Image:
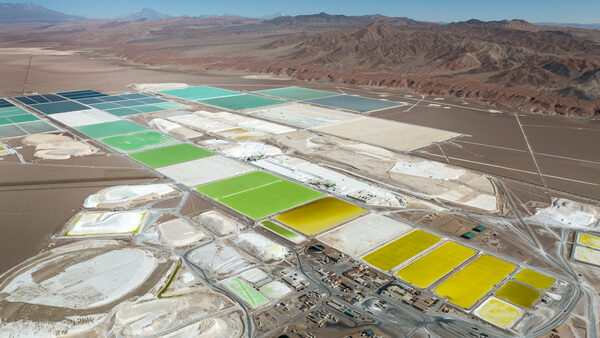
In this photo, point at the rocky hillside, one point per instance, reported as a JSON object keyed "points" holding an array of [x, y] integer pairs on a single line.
{"points": [[533, 68], [501, 55]]}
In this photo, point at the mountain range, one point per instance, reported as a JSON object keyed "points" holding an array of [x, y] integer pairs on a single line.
{"points": [[145, 14], [534, 68], [30, 12]]}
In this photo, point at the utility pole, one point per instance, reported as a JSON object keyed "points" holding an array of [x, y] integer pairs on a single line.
{"points": [[26, 75]]}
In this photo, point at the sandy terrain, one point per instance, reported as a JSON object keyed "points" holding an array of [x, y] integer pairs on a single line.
{"points": [[495, 145], [395, 136], [29, 187]]}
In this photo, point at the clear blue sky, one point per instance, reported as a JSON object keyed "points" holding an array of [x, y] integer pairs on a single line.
{"points": [[574, 11]]}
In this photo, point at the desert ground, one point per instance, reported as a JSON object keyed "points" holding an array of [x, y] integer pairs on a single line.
{"points": [[539, 166]]}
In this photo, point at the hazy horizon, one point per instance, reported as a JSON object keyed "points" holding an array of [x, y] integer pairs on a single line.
{"points": [[577, 12]]}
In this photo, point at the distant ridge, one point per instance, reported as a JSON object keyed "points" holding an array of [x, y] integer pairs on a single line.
{"points": [[324, 20], [30, 12], [145, 13], [571, 25], [513, 24]]}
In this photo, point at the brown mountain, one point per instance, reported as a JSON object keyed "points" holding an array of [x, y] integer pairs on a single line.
{"points": [[542, 69], [30, 12], [327, 21], [480, 58]]}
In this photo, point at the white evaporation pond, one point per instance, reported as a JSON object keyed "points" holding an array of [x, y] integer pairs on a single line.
{"points": [[84, 117], [122, 194], [106, 223], [364, 234], [95, 282], [205, 170]]}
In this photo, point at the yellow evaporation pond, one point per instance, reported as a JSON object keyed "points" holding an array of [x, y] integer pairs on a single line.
{"points": [[498, 312], [472, 282], [426, 270], [395, 253], [586, 254], [233, 131], [535, 279], [518, 294], [589, 240], [320, 215], [244, 137]]}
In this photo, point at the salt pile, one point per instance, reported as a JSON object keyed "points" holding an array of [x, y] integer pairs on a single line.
{"points": [[569, 214], [251, 151], [104, 223], [218, 258], [173, 128], [91, 283], [127, 195], [218, 223], [428, 169], [178, 232], [57, 147], [260, 247], [159, 316]]}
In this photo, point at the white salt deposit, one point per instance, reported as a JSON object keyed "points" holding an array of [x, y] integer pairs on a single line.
{"points": [[252, 150], [568, 214], [587, 255], [35, 51], [267, 77], [428, 169], [364, 234], [159, 316], [218, 223], [91, 283], [483, 201], [205, 170], [103, 223], [168, 127], [216, 142], [84, 117], [260, 247], [164, 125], [155, 87], [219, 258], [303, 115], [70, 326], [275, 290], [330, 180], [247, 122], [123, 195], [253, 275], [37, 139], [57, 147], [178, 232], [214, 327]]}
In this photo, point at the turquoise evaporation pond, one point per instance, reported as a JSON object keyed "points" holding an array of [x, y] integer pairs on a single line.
{"points": [[355, 103], [199, 93], [242, 102]]}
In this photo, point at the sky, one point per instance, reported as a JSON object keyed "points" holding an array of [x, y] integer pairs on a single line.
{"points": [[561, 11]]}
